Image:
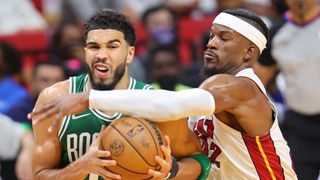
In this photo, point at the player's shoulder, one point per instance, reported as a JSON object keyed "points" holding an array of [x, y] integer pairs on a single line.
{"points": [[55, 90], [230, 84], [227, 79], [218, 80]]}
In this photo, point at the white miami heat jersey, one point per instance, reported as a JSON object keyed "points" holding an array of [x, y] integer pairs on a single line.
{"points": [[239, 156]]}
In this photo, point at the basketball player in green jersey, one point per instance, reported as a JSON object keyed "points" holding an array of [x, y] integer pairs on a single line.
{"points": [[71, 151]]}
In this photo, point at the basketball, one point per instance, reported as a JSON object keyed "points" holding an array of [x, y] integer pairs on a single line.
{"points": [[133, 143]]}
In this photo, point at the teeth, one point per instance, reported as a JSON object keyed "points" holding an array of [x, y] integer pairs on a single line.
{"points": [[102, 68]]}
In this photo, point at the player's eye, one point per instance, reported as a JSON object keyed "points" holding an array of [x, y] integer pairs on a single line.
{"points": [[93, 46], [113, 46], [223, 38]]}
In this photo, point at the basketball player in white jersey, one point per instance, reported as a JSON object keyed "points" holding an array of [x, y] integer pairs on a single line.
{"points": [[230, 112]]}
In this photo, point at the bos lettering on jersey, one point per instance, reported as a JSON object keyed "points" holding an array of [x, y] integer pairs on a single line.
{"points": [[204, 129], [78, 145]]}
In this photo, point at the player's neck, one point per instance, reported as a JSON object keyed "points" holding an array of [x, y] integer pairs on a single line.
{"points": [[124, 82]]}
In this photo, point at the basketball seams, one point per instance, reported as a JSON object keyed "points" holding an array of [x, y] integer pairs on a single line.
{"points": [[148, 178], [134, 132], [147, 126], [131, 172], [137, 151]]}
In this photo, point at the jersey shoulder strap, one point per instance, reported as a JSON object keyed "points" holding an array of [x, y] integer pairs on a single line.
{"points": [[78, 83], [136, 84]]}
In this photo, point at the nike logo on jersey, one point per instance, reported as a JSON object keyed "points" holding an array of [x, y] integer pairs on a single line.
{"points": [[74, 117]]}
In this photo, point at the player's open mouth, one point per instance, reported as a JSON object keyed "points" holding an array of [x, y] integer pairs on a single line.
{"points": [[101, 69]]}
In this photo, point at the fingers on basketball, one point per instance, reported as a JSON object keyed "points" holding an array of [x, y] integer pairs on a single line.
{"points": [[133, 143]]}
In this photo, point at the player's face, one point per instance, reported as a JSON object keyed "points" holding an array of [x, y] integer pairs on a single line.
{"points": [[108, 56], [224, 53]]}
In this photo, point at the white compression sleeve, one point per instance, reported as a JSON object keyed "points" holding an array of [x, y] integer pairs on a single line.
{"points": [[155, 105]]}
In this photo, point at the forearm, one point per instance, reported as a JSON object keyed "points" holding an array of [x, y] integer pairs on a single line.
{"points": [[155, 105], [74, 170], [188, 169]]}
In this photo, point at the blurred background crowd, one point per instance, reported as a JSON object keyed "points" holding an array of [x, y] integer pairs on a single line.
{"points": [[41, 43]]}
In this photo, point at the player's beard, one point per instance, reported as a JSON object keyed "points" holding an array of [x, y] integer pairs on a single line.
{"points": [[118, 74], [208, 71], [210, 65]]}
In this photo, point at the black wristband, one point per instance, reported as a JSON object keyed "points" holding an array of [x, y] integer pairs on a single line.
{"points": [[174, 168]]}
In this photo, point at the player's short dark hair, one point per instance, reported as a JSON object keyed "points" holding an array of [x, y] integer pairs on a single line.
{"points": [[251, 18], [110, 19]]}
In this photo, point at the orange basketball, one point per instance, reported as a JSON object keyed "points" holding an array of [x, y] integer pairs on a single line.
{"points": [[133, 143]]}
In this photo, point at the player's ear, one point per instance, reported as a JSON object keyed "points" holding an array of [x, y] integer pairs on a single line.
{"points": [[250, 52], [131, 51]]}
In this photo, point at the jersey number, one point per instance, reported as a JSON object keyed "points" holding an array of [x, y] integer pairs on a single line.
{"points": [[204, 129]]}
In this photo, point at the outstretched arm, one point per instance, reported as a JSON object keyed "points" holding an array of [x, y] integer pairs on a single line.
{"points": [[230, 98], [155, 105], [238, 96]]}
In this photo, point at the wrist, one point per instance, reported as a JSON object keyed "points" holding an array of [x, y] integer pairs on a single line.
{"points": [[205, 163], [81, 165], [174, 169]]}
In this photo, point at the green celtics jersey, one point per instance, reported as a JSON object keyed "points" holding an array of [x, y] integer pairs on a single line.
{"points": [[77, 131]]}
